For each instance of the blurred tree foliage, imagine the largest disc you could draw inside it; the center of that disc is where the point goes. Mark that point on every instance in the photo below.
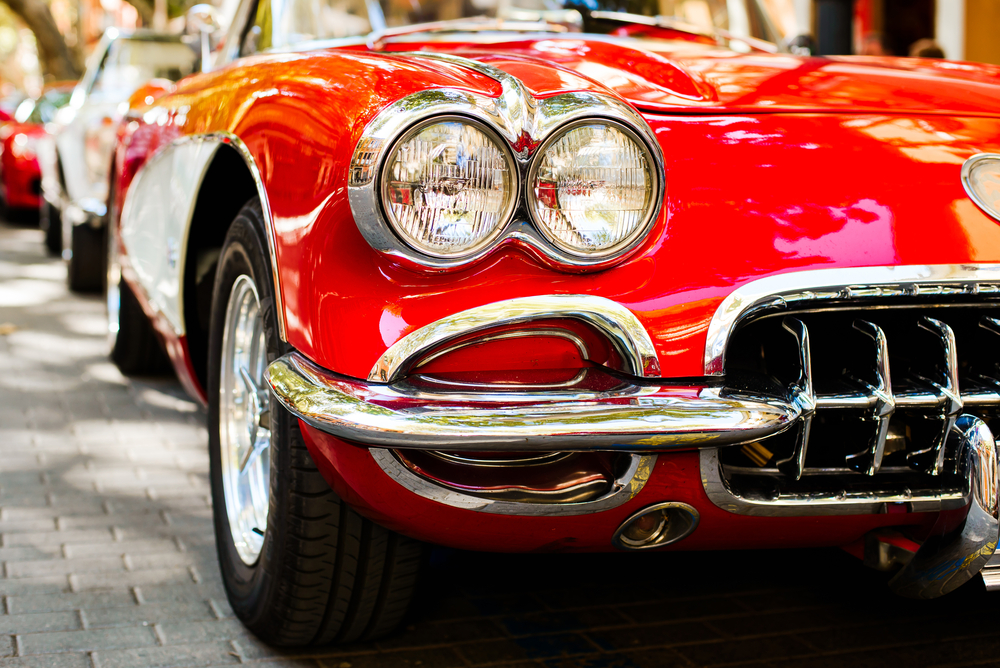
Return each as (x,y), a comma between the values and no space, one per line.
(175,8)
(56,58)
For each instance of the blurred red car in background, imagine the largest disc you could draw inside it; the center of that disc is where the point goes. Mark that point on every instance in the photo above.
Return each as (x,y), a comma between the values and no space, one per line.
(20,176)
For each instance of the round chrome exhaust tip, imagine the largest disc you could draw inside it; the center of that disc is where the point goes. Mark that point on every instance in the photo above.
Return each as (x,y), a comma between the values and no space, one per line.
(655,526)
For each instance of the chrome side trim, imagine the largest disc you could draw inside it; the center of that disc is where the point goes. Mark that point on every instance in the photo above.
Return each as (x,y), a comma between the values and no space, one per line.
(970,190)
(844,503)
(611,318)
(857,284)
(602,412)
(523,123)
(625,488)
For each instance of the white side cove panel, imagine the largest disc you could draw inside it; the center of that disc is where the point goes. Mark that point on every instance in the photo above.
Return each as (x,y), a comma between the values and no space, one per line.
(156,217)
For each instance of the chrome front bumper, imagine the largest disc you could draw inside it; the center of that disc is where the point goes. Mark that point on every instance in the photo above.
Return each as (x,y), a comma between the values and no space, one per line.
(593,411)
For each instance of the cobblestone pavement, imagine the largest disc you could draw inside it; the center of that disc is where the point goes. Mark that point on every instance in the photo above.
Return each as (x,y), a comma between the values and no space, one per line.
(108,555)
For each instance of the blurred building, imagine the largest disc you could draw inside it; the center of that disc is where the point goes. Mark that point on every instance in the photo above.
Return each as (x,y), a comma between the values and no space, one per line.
(965,29)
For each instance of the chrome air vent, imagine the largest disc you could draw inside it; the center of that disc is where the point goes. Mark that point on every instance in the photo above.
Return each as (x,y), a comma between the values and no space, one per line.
(879,388)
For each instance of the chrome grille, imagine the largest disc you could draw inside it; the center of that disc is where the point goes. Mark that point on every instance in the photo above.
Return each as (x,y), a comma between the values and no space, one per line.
(879,390)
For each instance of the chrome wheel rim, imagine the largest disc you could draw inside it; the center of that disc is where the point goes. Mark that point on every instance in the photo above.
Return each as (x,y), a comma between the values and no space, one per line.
(244,420)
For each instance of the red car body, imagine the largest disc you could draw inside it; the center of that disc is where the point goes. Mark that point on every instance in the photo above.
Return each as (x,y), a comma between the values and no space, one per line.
(21,182)
(20,173)
(774,165)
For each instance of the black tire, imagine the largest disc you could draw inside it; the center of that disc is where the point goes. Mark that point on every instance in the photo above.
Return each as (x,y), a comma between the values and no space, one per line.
(324,573)
(51,224)
(86,269)
(135,347)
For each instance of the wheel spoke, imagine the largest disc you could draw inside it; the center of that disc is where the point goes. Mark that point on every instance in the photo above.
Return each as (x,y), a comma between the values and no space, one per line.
(261,444)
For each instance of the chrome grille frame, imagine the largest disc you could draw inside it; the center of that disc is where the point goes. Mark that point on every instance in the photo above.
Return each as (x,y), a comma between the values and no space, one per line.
(853,289)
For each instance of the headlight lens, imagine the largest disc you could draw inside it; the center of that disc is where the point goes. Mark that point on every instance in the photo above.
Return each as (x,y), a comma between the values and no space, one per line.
(449,187)
(592,192)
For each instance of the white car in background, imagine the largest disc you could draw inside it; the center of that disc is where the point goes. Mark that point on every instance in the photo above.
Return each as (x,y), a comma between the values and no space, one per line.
(76,166)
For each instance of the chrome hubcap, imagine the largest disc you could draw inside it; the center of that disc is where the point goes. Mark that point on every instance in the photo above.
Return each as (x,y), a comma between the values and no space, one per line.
(244,420)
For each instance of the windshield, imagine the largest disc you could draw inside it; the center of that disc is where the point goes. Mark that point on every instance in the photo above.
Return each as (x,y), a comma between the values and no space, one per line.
(43,110)
(281,23)
(132,62)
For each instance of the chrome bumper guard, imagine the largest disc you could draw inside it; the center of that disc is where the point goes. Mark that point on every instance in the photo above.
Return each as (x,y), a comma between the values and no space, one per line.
(594,411)
(955,553)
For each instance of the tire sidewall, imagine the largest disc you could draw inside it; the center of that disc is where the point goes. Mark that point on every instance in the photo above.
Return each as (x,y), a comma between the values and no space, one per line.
(249,588)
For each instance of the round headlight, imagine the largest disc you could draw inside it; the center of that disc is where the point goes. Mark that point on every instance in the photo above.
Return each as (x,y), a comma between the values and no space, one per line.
(448,187)
(592,190)
(981,178)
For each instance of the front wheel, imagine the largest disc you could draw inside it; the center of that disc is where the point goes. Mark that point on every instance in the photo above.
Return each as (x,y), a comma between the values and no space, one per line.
(86,263)
(135,348)
(299,566)
(51,223)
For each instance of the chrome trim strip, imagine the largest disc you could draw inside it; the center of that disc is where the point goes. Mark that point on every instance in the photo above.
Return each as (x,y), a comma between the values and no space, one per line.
(623,416)
(611,318)
(524,123)
(865,503)
(625,488)
(857,284)
(981,202)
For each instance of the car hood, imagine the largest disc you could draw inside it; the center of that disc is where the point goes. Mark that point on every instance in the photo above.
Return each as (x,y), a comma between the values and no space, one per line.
(668,76)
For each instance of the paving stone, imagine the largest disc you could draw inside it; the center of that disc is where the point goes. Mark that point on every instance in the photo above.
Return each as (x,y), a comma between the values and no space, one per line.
(43,584)
(215,653)
(57,602)
(438,657)
(36,622)
(69,660)
(200,632)
(26,569)
(150,613)
(155,576)
(86,640)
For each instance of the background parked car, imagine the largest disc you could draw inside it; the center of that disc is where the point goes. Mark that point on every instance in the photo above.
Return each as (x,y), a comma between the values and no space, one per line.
(75,181)
(20,174)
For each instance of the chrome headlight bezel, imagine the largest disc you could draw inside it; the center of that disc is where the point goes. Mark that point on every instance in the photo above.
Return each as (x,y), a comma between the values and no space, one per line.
(523,124)
(410,132)
(970,187)
(656,173)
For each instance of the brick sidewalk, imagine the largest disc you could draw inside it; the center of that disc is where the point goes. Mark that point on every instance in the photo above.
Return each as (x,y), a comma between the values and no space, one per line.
(108,555)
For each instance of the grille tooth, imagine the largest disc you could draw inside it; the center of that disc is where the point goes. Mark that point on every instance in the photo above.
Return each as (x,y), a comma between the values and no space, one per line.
(949,395)
(880,395)
(802,395)
(992,377)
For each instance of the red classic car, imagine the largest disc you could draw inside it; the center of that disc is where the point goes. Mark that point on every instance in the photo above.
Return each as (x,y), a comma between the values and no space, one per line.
(569,278)
(20,176)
